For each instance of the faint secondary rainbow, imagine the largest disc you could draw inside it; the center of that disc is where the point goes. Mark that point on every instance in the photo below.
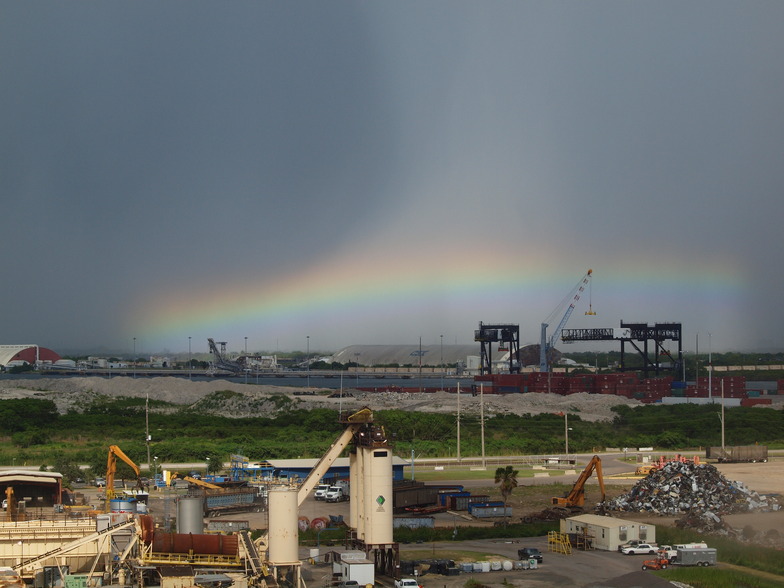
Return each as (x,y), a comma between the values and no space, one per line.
(359,285)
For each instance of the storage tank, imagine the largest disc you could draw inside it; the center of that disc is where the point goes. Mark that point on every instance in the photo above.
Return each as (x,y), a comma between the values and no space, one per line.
(377,503)
(122,505)
(283,526)
(355,519)
(190,515)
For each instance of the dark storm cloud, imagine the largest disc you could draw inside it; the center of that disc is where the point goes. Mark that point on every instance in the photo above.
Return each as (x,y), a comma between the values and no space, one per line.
(170,146)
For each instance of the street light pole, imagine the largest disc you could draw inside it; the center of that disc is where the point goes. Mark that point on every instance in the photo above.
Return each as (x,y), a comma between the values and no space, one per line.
(190,362)
(442,363)
(134,357)
(307,359)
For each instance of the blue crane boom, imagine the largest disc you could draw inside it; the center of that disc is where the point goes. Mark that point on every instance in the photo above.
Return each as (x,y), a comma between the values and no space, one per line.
(546,345)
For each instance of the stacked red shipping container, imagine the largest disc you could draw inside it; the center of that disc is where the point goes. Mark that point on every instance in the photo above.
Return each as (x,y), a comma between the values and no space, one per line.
(628,385)
(734,387)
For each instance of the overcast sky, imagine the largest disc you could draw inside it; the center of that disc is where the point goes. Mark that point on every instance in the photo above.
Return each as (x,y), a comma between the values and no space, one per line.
(331,173)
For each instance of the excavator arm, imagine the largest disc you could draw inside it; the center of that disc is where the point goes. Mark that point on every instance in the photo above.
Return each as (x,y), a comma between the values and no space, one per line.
(576,497)
(111,470)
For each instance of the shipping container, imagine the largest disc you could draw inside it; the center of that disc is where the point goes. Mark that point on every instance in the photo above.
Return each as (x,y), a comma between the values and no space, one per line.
(476,505)
(414,522)
(462,502)
(443,499)
(738,453)
(486,512)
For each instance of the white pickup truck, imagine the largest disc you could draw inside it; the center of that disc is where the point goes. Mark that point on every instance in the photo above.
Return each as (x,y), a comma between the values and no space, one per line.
(407,583)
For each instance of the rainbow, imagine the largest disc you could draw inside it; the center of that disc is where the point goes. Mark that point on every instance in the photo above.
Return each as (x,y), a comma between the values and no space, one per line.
(356,289)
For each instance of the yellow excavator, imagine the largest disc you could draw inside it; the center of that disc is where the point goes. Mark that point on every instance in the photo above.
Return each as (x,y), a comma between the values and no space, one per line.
(111,470)
(575,499)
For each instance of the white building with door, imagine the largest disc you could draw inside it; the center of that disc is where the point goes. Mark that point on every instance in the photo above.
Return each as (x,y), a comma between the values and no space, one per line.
(608,533)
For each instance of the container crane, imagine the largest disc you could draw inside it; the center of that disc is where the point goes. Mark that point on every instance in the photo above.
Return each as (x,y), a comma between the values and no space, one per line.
(545,344)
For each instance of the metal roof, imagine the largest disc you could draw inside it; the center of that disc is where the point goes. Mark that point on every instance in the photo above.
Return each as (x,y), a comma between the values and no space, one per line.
(341,462)
(7,352)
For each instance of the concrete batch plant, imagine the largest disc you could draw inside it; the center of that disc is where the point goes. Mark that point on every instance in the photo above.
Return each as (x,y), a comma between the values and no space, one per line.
(126,547)
(370,517)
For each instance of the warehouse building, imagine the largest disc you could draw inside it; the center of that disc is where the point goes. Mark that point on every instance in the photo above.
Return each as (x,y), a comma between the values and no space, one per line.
(17,355)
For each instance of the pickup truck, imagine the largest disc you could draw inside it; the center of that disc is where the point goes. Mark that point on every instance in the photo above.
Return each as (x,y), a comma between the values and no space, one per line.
(407,583)
(639,549)
(529,553)
(667,552)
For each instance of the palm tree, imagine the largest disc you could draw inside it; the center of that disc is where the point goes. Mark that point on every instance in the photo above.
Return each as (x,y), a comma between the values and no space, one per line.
(507,478)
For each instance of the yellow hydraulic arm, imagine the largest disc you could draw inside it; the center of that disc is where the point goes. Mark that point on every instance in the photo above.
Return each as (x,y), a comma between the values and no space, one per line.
(111,470)
(576,497)
(202,483)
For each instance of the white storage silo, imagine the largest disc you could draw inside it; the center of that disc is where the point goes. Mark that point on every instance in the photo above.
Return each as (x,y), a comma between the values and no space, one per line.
(376,463)
(355,520)
(283,546)
(190,515)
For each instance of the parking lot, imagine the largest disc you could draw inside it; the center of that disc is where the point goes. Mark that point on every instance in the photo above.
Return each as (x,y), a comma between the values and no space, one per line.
(580,569)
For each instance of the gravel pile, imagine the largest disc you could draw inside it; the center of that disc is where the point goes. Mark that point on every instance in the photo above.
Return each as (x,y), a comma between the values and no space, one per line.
(73,393)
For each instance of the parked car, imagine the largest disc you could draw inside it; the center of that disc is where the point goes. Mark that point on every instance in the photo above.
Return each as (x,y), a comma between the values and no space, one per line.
(529,553)
(100,482)
(640,549)
(407,583)
(632,543)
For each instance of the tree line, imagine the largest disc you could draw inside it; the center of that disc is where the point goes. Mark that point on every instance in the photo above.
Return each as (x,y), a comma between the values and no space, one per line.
(34,433)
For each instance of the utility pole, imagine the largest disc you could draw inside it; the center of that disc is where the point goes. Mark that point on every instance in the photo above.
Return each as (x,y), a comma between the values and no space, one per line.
(420,364)
(710,370)
(442,363)
(147,429)
(722,417)
(458,422)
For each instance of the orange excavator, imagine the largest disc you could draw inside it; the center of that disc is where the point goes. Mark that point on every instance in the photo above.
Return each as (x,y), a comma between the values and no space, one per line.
(575,499)
(111,470)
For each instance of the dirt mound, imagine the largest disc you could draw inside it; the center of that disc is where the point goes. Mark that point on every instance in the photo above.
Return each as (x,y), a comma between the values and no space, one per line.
(252,400)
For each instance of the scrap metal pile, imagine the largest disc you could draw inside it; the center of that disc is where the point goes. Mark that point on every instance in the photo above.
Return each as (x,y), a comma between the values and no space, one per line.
(698,490)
